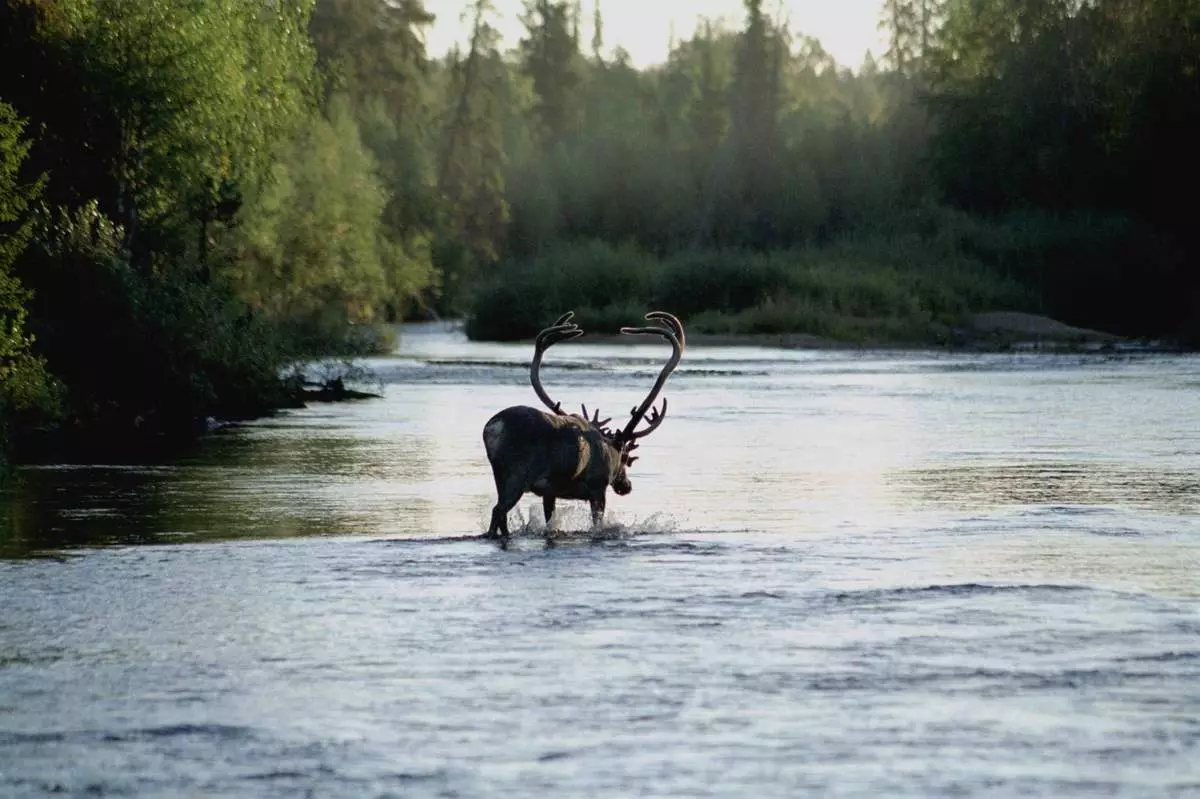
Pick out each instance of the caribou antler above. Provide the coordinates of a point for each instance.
(653, 420)
(576, 457)
(675, 325)
(596, 422)
(673, 333)
(563, 329)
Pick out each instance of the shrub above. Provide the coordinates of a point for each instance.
(601, 283)
(903, 284)
(730, 280)
(26, 393)
(142, 355)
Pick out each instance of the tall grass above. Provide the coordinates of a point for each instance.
(909, 279)
(875, 289)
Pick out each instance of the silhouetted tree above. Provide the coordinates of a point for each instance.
(472, 158)
(550, 58)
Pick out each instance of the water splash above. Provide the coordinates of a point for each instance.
(572, 522)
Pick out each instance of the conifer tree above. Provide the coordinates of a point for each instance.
(549, 57)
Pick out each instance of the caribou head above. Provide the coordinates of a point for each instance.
(556, 454)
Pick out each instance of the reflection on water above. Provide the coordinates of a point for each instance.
(1055, 484)
(838, 574)
(264, 481)
(792, 442)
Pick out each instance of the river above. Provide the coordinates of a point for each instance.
(842, 574)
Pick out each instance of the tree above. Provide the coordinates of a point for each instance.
(597, 35)
(472, 158)
(23, 380)
(550, 58)
(373, 52)
(373, 48)
(755, 105)
(311, 248)
(911, 26)
(162, 111)
(152, 120)
(709, 110)
(1020, 101)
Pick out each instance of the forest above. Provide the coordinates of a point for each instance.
(196, 194)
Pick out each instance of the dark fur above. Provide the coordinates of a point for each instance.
(552, 456)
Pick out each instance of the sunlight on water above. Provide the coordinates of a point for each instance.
(838, 574)
(790, 442)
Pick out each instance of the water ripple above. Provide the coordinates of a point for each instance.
(839, 574)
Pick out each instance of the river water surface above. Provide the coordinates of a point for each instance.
(838, 574)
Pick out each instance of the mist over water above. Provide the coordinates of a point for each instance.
(839, 573)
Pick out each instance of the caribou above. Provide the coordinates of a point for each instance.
(560, 455)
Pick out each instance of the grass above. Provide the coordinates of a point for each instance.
(909, 280)
(878, 289)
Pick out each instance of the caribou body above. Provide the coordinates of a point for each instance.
(558, 455)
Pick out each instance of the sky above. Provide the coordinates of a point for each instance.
(846, 28)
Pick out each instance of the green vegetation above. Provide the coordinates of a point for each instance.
(864, 292)
(25, 389)
(875, 289)
(994, 160)
(909, 282)
(196, 194)
(187, 206)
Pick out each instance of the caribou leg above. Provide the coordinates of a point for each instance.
(508, 494)
(597, 510)
(499, 525)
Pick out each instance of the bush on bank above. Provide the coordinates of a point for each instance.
(907, 281)
(854, 291)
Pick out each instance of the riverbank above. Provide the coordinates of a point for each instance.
(995, 331)
(958, 282)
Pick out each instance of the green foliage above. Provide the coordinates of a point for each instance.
(700, 281)
(471, 161)
(753, 139)
(911, 26)
(152, 120)
(1100, 270)
(1069, 106)
(877, 288)
(593, 278)
(163, 351)
(187, 97)
(372, 49)
(550, 58)
(1057, 118)
(15, 197)
(238, 182)
(25, 388)
(14, 234)
(372, 52)
(310, 244)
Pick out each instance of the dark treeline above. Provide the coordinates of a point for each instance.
(1000, 154)
(194, 193)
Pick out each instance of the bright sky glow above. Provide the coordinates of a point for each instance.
(846, 28)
